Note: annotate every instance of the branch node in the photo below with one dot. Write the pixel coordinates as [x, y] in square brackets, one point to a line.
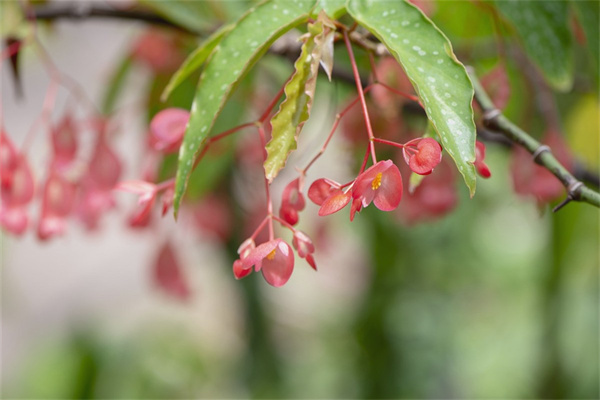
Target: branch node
[489, 118]
[573, 193]
[538, 152]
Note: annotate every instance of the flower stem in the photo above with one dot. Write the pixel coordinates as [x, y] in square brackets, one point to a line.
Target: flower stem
[361, 96]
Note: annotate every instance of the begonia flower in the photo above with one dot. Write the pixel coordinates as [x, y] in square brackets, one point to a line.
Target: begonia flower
[64, 143]
[305, 247]
[238, 266]
[167, 129]
[482, 169]
[147, 196]
[380, 184]
[422, 155]
[274, 258]
[57, 203]
[292, 201]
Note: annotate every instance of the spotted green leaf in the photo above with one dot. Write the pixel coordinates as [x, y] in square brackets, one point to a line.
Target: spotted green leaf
[195, 60]
[248, 40]
[588, 14]
[544, 31]
[439, 78]
[295, 109]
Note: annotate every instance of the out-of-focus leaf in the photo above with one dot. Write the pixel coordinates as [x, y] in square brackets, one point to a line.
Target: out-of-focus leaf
[582, 126]
[544, 30]
[333, 8]
[588, 14]
[299, 94]
[115, 85]
[195, 60]
[238, 51]
[440, 80]
[196, 16]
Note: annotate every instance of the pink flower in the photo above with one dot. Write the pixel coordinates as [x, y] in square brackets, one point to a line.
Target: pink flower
[167, 129]
[305, 247]
[64, 142]
[276, 260]
[482, 169]
[380, 184]
[422, 155]
[238, 266]
[59, 197]
[168, 275]
[16, 187]
[321, 189]
[292, 201]
[147, 192]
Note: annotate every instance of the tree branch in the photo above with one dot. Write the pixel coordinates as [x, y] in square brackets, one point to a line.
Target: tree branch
[55, 11]
[542, 155]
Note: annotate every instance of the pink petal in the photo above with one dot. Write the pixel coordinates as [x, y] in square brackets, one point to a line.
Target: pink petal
[335, 202]
[14, 219]
[321, 189]
[356, 206]
[238, 271]
[277, 271]
[303, 244]
[428, 156]
[288, 214]
[64, 142]
[168, 275]
[389, 194]
[136, 186]
[292, 195]
[256, 256]
[105, 167]
[167, 129]
[311, 261]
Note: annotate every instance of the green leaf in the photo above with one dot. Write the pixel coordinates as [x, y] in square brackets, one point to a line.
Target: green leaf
[438, 77]
[195, 16]
[115, 85]
[231, 59]
[195, 60]
[333, 8]
[295, 109]
[588, 14]
[544, 30]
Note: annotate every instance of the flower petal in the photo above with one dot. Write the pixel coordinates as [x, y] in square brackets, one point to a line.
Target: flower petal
[335, 202]
[277, 269]
[389, 194]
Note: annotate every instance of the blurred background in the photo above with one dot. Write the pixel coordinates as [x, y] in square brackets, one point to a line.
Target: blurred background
[497, 297]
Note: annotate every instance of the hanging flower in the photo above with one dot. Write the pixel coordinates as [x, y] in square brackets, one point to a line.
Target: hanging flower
[482, 169]
[274, 258]
[422, 155]
[380, 184]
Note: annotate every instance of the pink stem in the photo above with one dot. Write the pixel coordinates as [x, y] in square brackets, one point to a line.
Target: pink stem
[263, 141]
[361, 96]
[398, 145]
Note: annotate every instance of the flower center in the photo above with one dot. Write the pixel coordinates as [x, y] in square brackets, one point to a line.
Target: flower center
[271, 255]
[376, 182]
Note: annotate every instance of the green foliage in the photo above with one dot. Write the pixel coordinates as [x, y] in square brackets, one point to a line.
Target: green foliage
[295, 109]
[231, 59]
[438, 77]
[588, 14]
[195, 60]
[115, 85]
[544, 30]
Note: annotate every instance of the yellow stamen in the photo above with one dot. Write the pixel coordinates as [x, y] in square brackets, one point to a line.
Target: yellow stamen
[376, 182]
[271, 255]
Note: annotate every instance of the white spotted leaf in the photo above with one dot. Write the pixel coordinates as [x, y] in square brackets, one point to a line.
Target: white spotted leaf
[237, 52]
[543, 28]
[439, 79]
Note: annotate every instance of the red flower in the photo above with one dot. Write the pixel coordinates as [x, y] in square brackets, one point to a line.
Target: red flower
[64, 142]
[168, 275]
[16, 187]
[59, 196]
[305, 247]
[238, 266]
[482, 169]
[147, 192]
[167, 129]
[422, 155]
[276, 260]
[380, 184]
[292, 201]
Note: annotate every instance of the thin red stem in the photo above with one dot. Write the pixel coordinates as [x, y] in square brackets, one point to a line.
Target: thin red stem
[165, 184]
[361, 96]
[365, 159]
[218, 137]
[338, 117]
[398, 92]
[263, 141]
[398, 145]
[259, 228]
[272, 104]
[282, 222]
